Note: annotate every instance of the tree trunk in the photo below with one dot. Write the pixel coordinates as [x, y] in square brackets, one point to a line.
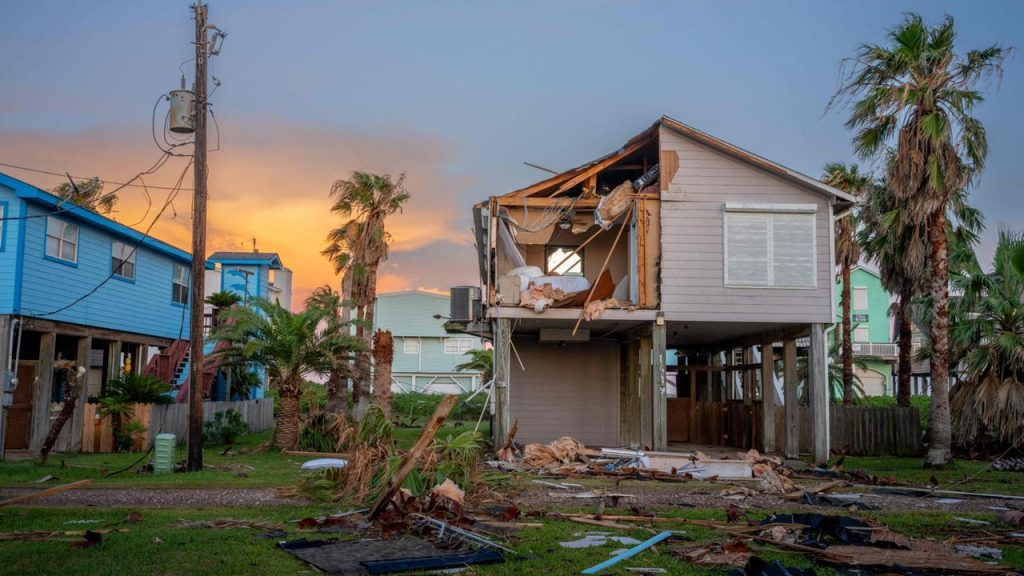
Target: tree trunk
[940, 435]
[847, 340]
[71, 392]
[905, 361]
[361, 398]
[286, 433]
[383, 354]
[336, 392]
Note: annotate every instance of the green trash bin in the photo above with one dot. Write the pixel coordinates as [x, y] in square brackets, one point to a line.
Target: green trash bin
[163, 454]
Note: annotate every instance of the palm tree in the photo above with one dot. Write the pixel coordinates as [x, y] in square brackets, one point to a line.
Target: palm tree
[357, 248]
[288, 346]
[330, 303]
[837, 389]
[914, 102]
[848, 179]
[221, 301]
[989, 335]
[87, 194]
[481, 361]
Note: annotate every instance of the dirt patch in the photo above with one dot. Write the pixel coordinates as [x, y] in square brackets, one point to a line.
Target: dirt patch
[157, 497]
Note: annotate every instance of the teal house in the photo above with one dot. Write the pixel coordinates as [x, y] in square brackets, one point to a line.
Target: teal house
[873, 342]
[425, 355]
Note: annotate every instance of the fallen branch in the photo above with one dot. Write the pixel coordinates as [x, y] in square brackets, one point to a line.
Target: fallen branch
[414, 454]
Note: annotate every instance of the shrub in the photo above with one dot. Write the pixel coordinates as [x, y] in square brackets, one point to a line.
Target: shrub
[225, 427]
[415, 408]
[923, 404]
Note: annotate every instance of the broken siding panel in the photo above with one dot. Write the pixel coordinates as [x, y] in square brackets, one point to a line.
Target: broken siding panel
[692, 232]
[570, 390]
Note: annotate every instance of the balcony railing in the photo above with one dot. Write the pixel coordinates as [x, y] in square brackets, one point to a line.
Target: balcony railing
[882, 349]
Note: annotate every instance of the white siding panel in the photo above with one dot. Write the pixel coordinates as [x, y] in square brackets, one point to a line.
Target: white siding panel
[693, 259]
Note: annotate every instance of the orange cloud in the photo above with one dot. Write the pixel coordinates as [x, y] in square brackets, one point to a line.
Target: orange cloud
[270, 181]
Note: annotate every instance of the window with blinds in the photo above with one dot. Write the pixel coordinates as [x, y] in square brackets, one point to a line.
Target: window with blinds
[770, 246]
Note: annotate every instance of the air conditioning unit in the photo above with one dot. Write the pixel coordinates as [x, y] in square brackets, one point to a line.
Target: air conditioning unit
[465, 303]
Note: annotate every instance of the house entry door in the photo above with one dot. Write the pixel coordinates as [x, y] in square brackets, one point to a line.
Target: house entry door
[19, 415]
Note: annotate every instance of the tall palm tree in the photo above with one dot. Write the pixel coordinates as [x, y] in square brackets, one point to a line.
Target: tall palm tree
[221, 301]
[87, 194]
[288, 346]
[989, 335]
[357, 248]
[914, 99]
[847, 178]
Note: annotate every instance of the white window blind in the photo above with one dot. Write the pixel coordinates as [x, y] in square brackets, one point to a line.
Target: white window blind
[770, 249]
[410, 345]
[861, 334]
[860, 298]
[457, 345]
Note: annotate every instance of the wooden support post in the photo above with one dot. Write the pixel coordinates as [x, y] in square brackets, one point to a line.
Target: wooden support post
[748, 376]
[81, 360]
[114, 360]
[768, 397]
[502, 376]
[791, 399]
[646, 399]
[42, 390]
[817, 375]
[693, 404]
[659, 411]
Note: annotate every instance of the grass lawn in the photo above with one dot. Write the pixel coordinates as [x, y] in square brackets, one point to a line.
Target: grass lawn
[238, 550]
[965, 475]
[272, 469]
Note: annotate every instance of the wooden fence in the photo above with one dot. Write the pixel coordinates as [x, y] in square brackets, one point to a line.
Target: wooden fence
[97, 433]
[858, 431]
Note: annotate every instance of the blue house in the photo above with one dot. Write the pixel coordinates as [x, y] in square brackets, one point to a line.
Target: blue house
[425, 355]
[77, 286]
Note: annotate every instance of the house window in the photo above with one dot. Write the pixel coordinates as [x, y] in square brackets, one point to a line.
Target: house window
[180, 288]
[561, 260]
[122, 260]
[411, 345]
[860, 334]
[61, 239]
[860, 298]
[770, 246]
[457, 345]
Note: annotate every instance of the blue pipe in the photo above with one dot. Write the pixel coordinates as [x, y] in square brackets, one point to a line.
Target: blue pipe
[628, 553]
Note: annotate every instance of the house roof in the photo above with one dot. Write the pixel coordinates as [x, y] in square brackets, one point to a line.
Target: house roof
[271, 259]
[64, 208]
[560, 182]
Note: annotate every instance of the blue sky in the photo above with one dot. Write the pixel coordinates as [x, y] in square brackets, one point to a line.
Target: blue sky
[458, 94]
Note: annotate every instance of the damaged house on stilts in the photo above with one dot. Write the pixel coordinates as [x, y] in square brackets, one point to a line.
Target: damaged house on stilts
[679, 244]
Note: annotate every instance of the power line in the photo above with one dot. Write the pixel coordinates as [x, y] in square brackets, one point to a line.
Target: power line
[121, 184]
[167, 202]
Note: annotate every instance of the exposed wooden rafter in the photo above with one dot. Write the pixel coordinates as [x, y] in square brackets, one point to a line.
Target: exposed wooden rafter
[599, 166]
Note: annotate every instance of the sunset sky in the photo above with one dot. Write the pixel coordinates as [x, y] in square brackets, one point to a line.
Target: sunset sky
[455, 94]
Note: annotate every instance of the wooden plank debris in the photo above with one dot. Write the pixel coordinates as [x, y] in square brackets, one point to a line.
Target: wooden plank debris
[412, 457]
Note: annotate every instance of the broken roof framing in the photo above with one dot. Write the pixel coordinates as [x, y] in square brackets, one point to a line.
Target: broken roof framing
[648, 225]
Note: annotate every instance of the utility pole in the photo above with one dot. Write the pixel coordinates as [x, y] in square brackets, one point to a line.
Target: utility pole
[196, 340]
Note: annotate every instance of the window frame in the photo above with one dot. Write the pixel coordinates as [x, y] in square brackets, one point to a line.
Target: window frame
[770, 211]
[853, 298]
[458, 348]
[406, 341]
[61, 240]
[548, 248]
[4, 208]
[133, 253]
[174, 283]
[863, 330]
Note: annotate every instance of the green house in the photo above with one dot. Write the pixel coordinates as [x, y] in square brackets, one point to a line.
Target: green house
[873, 342]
